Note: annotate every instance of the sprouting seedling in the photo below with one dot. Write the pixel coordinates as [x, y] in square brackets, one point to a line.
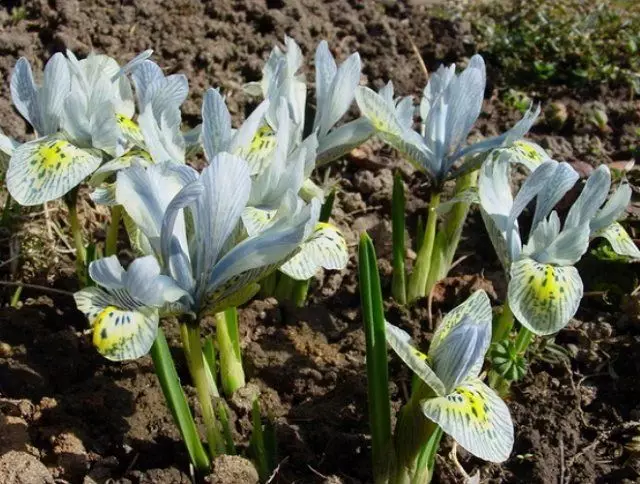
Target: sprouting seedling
[448, 110]
[545, 288]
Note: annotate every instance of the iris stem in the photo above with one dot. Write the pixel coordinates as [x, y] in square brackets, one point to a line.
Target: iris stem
[448, 237]
[76, 232]
[227, 334]
[503, 325]
[111, 243]
[523, 340]
[418, 280]
[398, 283]
[201, 382]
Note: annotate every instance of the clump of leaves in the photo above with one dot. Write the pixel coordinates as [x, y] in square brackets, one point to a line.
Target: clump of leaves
[572, 42]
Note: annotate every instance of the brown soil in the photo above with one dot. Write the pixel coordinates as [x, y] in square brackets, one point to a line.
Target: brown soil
[68, 414]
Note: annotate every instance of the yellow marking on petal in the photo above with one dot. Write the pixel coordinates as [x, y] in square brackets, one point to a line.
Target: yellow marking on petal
[53, 155]
[130, 129]
[544, 297]
[260, 149]
[121, 334]
[473, 404]
[418, 353]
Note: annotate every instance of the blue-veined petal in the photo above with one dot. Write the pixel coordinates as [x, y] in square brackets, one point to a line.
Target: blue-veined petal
[343, 139]
[621, 242]
[462, 339]
[564, 177]
[534, 183]
[144, 283]
[47, 168]
[476, 417]
[146, 193]
[340, 95]
[593, 195]
[258, 256]
[175, 255]
[326, 69]
[227, 184]
[400, 342]
[464, 96]
[216, 124]
[24, 94]
[612, 209]
[543, 297]
[55, 88]
[325, 248]
[494, 191]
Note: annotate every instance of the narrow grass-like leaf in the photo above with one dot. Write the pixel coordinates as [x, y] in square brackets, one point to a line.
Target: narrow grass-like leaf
[259, 445]
[177, 402]
[327, 206]
[377, 370]
[223, 417]
[209, 353]
[398, 285]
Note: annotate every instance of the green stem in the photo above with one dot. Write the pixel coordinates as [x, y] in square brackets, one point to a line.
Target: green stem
[398, 283]
[376, 356]
[111, 243]
[299, 292]
[76, 232]
[15, 299]
[201, 382]
[6, 212]
[177, 402]
[448, 237]
[416, 441]
[268, 285]
[503, 325]
[284, 289]
[231, 371]
[420, 273]
[523, 340]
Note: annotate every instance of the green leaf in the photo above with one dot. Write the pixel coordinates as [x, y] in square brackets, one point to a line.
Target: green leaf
[398, 285]
[177, 402]
[377, 370]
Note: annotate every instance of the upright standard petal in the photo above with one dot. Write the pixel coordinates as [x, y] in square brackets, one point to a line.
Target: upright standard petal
[227, 185]
[216, 124]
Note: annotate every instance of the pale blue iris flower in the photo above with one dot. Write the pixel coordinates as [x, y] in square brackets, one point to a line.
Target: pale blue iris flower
[189, 221]
[459, 402]
[77, 114]
[448, 110]
[545, 288]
